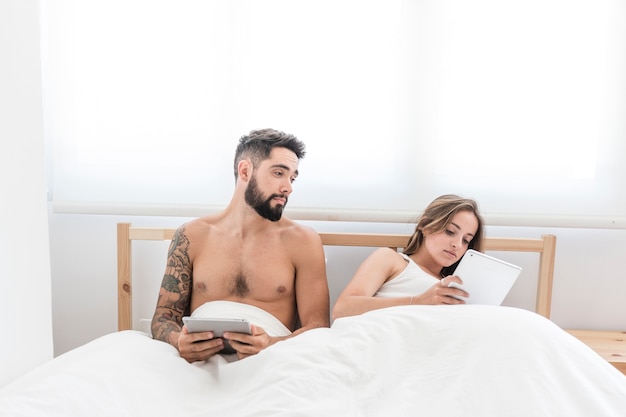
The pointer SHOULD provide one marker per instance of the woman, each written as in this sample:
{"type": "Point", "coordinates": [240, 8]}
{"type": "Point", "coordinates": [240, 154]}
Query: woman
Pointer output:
{"type": "Point", "coordinates": [449, 226]}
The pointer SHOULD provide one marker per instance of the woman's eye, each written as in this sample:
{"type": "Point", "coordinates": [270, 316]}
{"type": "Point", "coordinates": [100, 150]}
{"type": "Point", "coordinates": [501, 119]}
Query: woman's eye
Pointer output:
{"type": "Point", "coordinates": [449, 232]}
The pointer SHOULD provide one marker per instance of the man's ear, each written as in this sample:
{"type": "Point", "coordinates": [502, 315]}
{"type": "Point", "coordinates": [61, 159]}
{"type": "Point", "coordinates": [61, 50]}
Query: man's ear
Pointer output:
{"type": "Point", "coordinates": [244, 169]}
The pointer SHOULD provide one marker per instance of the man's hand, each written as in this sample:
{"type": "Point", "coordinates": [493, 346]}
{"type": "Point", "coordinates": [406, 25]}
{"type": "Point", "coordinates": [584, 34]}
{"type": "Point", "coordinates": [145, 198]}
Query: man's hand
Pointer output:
{"type": "Point", "coordinates": [198, 346]}
{"type": "Point", "coordinates": [249, 344]}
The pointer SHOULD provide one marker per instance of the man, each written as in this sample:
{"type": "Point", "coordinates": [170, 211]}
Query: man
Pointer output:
{"type": "Point", "coordinates": [247, 257]}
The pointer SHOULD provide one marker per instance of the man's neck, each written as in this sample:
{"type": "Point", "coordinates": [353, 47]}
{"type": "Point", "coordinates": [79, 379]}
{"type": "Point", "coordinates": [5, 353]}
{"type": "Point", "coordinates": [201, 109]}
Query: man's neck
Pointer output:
{"type": "Point", "coordinates": [238, 215]}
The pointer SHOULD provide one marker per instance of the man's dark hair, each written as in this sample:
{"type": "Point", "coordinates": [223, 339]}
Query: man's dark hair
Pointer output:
{"type": "Point", "coordinates": [258, 144]}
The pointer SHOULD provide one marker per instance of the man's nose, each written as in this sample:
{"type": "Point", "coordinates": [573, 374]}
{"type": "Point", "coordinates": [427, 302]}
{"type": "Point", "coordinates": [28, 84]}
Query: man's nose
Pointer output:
{"type": "Point", "coordinates": [286, 187]}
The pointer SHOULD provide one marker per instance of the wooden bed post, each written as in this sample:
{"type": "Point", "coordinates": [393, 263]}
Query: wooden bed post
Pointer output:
{"type": "Point", "coordinates": [546, 276]}
{"type": "Point", "coordinates": [124, 281]}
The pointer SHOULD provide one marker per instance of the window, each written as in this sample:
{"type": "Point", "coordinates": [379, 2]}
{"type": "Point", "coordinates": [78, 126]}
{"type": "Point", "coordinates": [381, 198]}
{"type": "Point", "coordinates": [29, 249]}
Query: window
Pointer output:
{"type": "Point", "coordinates": [513, 103]}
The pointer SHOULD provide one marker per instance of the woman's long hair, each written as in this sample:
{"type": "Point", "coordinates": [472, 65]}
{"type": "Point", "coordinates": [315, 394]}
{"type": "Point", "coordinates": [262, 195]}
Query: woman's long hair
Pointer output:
{"type": "Point", "coordinates": [436, 218]}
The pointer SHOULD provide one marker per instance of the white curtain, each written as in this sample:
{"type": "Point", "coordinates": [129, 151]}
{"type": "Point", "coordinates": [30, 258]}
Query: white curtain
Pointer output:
{"type": "Point", "coordinates": [24, 245]}
{"type": "Point", "coordinates": [518, 104]}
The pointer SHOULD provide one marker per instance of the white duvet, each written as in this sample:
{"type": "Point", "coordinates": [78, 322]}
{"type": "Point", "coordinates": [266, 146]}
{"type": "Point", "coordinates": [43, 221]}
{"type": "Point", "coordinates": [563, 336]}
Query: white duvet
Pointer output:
{"type": "Point", "coordinates": [403, 361]}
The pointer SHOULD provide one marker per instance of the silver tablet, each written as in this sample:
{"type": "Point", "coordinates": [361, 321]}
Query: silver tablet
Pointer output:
{"type": "Point", "coordinates": [487, 279]}
{"type": "Point", "coordinates": [218, 327]}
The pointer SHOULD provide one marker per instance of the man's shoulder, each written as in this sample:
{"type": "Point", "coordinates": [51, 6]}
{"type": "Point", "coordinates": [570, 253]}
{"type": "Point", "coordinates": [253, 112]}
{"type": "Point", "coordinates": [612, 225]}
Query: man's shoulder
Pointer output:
{"type": "Point", "coordinates": [197, 226]}
{"type": "Point", "coordinates": [299, 232]}
{"type": "Point", "coordinates": [289, 230]}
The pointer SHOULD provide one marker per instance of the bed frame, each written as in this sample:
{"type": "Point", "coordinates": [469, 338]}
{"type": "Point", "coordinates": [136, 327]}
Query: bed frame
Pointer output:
{"type": "Point", "coordinates": [609, 344]}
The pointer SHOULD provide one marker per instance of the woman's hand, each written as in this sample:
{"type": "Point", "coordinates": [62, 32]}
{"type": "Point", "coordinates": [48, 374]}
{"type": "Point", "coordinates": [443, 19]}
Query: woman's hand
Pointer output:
{"type": "Point", "coordinates": [442, 293]}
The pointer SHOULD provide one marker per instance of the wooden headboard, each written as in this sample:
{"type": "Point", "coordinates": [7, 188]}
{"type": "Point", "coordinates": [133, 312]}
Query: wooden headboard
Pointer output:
{"type": "Point", "coordinates": [544, 246]}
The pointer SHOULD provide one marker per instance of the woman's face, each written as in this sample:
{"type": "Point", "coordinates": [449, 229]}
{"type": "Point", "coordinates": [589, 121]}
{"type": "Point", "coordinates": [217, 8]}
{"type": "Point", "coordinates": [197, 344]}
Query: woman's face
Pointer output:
{"type": "Point", "coordinates": [448, 246]}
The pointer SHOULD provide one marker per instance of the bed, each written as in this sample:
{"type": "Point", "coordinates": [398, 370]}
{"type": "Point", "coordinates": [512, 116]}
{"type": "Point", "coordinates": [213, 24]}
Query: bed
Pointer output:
{"type": "Point", "coordinates": [411, 360]}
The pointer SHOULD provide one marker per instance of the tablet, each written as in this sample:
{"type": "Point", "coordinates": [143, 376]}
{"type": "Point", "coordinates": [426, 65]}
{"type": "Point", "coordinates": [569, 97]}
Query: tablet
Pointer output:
{"type": "Point", "coordinates": [487, 279]}
{"type": "Point", "coordinates": [218, 327]}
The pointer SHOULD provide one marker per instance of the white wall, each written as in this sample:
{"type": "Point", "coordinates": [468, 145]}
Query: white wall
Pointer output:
{"type": "Point", "coordinates": [589, 286]}
{"type": "Point", "coordinates": [24, 244]}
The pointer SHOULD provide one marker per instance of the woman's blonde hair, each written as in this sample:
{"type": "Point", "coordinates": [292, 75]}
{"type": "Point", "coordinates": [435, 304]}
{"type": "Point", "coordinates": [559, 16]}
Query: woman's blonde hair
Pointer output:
{"type": "Point", "coordinates": [436, 218]}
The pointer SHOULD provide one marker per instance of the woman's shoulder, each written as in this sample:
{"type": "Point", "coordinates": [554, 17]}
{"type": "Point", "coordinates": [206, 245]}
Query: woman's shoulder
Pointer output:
{"type": "Point", "coordinates": [388, 257]}
{"type": "Point", "coordinates": [388, 253]}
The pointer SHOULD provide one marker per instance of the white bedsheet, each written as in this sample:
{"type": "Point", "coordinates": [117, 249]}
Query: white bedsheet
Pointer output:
{"type": "Point", "coordinates": [402, 361]}
{"type": "Point", "coordinates": [228, 309]}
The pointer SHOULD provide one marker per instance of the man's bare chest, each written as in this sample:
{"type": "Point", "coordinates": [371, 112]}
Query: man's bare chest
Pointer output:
{"type": "Point", "coordinates": [262, 275]}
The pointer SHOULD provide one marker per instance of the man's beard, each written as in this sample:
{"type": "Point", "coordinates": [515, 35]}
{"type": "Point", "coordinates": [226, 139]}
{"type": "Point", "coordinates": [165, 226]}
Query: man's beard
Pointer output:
{"type": "Point", "coordinates": [263, 206]}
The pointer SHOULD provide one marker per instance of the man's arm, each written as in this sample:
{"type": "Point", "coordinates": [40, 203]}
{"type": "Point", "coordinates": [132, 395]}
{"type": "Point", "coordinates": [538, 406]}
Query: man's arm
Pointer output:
{"type": "Point", "coordinates": [175, 293]}
{"type": "Point", "coordinates": [312, 295]}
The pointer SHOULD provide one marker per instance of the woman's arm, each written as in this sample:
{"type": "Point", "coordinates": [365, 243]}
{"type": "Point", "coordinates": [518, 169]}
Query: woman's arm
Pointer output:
{"type": "Point", "coordinates": [358, 296]}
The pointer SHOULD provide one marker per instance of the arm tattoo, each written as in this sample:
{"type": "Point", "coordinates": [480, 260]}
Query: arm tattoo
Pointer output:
{"type": "Point", "coordinates": [175, 292]}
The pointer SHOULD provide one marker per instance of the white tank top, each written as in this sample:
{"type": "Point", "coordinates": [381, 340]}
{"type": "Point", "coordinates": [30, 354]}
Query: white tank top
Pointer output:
{"type": "Point", "coordinates": [411, 281]}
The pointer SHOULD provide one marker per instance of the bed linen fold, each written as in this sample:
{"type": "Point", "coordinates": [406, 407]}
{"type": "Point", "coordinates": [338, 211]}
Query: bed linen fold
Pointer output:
{"type": "Point", "coordinates": [412, 360]}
